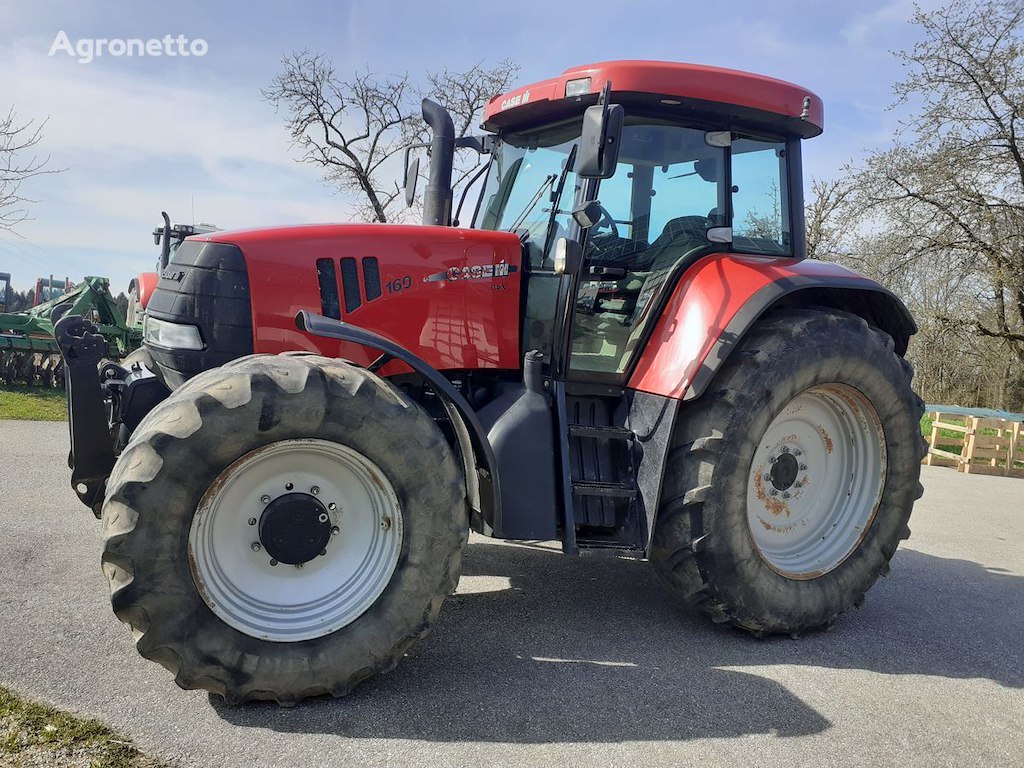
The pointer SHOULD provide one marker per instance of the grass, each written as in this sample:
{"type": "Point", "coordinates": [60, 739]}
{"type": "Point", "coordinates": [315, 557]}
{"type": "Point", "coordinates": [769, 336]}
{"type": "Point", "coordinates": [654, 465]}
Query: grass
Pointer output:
{"type": "Point", "coordinates": [33, 404]}
{"type": "Point", "coordinates": [34, 734]}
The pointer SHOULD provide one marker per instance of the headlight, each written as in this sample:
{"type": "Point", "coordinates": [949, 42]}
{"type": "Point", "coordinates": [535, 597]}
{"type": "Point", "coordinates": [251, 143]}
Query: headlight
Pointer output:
{"type": "Point", "coordinates": [171, 335]}
{"type": "Point", "coordinates": [577, 87]}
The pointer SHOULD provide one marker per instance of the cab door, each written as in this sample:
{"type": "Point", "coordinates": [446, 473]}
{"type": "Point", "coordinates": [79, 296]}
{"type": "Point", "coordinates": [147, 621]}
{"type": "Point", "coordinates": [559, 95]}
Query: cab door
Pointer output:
{"type": "Point", "coordinates": [666, 193]}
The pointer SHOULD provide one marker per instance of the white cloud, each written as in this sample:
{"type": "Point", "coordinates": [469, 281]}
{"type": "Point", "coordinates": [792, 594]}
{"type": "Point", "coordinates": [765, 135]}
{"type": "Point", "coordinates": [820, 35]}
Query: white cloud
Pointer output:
{"type": "Point", "coordinates": [135, 141]}
{"type": "Point", "coordinates": [886, 25]}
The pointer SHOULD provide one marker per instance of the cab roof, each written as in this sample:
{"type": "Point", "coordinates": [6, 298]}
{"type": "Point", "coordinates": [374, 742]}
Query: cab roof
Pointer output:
{"type": "Point", "coordinates": [725, 97]}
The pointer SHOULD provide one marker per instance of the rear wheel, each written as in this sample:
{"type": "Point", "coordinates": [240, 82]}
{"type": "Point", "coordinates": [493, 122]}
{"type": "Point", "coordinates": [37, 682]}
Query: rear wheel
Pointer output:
{"type": "Point", "coordinates": [282, 527]}
{"type": "Point", "coordinates": [791, 481]}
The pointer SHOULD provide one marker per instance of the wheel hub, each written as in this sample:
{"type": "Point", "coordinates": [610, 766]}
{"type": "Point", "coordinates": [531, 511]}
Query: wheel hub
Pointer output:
{"type": "Point", "coordinates": [784, 471]}
{"type": "Point", "coordinates": [295, 528]}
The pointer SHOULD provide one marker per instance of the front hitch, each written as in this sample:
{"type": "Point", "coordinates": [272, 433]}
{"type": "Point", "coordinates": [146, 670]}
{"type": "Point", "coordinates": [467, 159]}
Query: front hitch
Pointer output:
{"type": "Point", "coordinates": [92, 447]}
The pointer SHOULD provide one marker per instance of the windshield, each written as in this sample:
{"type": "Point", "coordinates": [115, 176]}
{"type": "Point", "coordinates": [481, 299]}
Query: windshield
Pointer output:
{"type": "Point", "coordinates": [527, 171]}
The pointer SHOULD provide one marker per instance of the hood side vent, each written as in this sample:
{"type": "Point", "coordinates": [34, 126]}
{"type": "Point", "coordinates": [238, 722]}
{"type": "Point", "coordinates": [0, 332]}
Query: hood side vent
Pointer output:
{"type": "Point", "coordinates": [330, 302]}
{"type": "Point", "coordinates": [350, 284]}
{"type": "Point", "coordinates": [371, 276]}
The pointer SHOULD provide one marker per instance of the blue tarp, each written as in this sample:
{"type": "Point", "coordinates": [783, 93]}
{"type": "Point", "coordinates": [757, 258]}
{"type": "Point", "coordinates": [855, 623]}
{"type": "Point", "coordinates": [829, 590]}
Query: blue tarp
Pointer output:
{"type": "Point", "coordinates": [981, 413]}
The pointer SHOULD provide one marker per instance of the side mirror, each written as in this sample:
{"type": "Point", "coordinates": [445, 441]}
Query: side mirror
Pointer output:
{"type": "Point", "coordinates": [599, 144]}
{"type": "Point", "coordinates": [412, 175]}
{"type": "Point", "coordinates": [568, 256]}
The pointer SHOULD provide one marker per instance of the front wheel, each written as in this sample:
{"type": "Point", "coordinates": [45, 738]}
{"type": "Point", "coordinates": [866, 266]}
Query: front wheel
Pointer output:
{"type": "Point", "coordinates": [790, 483]}
{"type": "Point", "coordinates": [282, 527]}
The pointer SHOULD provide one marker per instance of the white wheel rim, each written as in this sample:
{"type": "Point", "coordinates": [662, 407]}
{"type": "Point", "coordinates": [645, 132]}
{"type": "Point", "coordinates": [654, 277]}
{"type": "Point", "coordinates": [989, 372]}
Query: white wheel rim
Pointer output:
{"type": "Point", "coordinates": [283, 602]}
{"type": "Point", "coordinates": [816, 480]}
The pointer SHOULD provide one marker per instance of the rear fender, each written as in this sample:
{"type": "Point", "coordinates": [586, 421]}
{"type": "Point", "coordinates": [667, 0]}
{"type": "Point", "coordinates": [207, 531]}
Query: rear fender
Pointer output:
{"type": "Point", "coordinates": [720, 297]}
{"type": "Point", "coordinates": [478, 460]}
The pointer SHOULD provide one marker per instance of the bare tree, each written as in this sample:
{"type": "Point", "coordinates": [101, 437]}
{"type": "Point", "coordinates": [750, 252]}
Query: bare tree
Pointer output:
{"type": "Point", "coordinates": [355, 128]}
{"type": "Point", "coordinates": [828, 218]}
{"type": "Point", "coordinates": [464, 95]}
{"type": "Point", "coordinates": [18, 162]}
{"type": "Point", "coordinates": [950, 190]}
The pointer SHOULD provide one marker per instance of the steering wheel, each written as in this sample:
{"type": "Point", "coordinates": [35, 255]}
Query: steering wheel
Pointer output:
{"type": "Point", "coordinates": [606, 220]}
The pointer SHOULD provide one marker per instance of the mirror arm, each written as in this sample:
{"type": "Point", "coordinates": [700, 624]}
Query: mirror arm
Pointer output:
{"type": "Point", "coordinates": [482, 144]}
{"type": "Point", "coordinates": [408, 151]}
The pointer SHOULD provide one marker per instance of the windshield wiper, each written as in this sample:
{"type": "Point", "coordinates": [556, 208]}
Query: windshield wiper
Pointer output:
{"type": "Point", "coordinates": [548, 180]}
{"type": "Point", "coordinates": [556, 194]}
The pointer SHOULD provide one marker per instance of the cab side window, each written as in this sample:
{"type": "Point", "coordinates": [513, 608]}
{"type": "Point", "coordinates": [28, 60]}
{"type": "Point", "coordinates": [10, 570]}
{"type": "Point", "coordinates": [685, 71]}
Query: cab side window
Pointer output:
{"type": "Point", "coordinates": [760, 205]}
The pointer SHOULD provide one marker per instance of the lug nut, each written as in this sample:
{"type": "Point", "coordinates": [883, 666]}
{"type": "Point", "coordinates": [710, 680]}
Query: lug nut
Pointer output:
{"type": "Point", "coordinates": [773, 492]}
{"type": "Point", "coordinates": [299, 566]}
{"type": "Point", "coordinates": [332, 506]}
{"type": "Point", "coordinates": [288, 486]}
{"type": "Point", "coordinates": [335, 531]}
{"type": "Point", "coordinates": [785, 449]}
{"type": "Point", "coordinates": [767, 478]}
{"type": "Point", "coordinates": [315, 490]}
{"type": "Point", "coordinates": [323, 552]}
{"type": "Point", "coordinates": [255, 546]}
{"type": "Point", "coordinates": [803, 467]}
{"type": "Point", "coordinates": [273, 562]}
{"type": "Point", "coordinates": [252, 521]}
{"type": "Point", "coordinates": [386, 523]}
{"type": "Point", "coordinates": [798, 452]}
{"type": "Point", "coordinates": [772, 459]}
{"type": "Point", "coordinates": [785, 495]}
{"type": "Point", "coordinates": [264, 499]}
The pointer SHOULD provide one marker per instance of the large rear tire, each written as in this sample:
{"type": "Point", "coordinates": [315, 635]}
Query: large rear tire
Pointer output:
{"type": "Point", "coordinates": [282, 527]}
{"type": "Point", "coordinates": [791, 481]}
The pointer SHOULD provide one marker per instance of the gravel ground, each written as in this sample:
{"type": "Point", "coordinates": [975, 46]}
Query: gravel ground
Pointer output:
{"type": "Point", "coordinates": [541, 659]}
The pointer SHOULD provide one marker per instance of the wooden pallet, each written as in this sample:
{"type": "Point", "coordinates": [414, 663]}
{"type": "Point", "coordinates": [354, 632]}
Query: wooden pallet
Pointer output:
{"type": "Point", "coordinates": [987, 446]}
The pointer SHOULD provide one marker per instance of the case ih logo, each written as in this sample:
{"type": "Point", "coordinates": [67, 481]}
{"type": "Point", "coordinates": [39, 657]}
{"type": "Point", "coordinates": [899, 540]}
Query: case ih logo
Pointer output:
{"type": "Point", "coordinates": [515, 101]}
{"type": "Point", "coordinates": [475, 272]}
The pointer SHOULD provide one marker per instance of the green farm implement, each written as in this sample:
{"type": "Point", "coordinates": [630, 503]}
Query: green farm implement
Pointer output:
{"type": "Point", "coordinates": [28, 352]}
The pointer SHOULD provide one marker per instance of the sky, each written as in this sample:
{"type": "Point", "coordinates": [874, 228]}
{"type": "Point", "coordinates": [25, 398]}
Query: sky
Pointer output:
{"type": "Point", "coordinates": [193, 135]}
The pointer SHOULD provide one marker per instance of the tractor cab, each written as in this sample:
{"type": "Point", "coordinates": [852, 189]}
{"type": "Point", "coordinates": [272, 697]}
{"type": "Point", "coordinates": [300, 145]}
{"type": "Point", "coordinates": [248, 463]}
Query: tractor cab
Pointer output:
{"type": "Point", "coordinates": [692, 177]}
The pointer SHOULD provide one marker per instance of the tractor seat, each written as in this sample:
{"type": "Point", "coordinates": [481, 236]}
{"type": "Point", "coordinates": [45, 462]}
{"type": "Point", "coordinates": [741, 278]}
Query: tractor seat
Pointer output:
{"type": "Point", "coordinates": [682, 228]}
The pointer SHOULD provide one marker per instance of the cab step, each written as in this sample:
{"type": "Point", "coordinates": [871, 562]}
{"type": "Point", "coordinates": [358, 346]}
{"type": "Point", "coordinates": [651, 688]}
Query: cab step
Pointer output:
{"type": "Point", "coordinates": [600, 432]}
{"type": "Point", "coordinates": [614, 490]}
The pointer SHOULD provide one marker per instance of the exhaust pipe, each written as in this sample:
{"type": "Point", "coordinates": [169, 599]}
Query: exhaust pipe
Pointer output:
{"type": "Point", "coordinates": [437, 197]}
{"type": "Point", "coordinates": [165, 246]}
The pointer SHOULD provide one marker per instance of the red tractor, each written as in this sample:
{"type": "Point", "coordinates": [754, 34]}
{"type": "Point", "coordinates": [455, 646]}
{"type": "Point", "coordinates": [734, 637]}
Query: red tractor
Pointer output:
{"type": "Point", "coordinates": [627, 351]}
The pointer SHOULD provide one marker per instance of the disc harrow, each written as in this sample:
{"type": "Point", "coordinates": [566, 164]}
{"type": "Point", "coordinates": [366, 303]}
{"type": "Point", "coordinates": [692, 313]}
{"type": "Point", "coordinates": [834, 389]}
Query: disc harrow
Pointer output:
{"type": "Point", "coordinates": [29, 355]}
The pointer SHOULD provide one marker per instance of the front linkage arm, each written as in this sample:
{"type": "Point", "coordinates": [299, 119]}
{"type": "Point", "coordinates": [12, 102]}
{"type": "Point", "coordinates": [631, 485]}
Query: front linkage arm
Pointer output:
{"type": "Point", "coordinates": [92, 446]}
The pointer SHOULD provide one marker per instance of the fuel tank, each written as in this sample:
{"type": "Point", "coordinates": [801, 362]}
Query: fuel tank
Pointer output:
{"type": "Point", "coordinates": [449, 295]}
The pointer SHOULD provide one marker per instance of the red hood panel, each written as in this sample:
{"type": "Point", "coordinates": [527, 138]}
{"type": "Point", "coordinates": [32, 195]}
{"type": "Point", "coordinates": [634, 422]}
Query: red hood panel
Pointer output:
{"type": "Point", "coordinates": [450, 296]}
